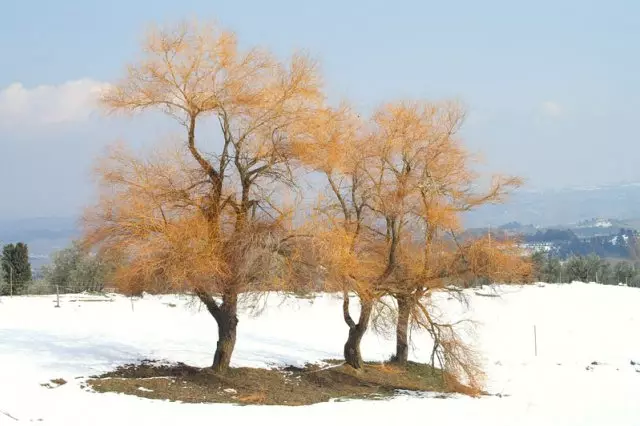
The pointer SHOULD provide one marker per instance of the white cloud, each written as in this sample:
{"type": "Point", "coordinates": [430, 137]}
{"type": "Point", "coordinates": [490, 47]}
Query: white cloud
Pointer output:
{"type": "Point", "coordinates": [552, 109]}
{"type": "Point", "coordinates": [67, 102]}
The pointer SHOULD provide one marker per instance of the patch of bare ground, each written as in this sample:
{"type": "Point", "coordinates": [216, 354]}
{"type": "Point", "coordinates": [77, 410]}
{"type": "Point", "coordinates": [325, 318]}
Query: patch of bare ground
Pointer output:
{"type": "Point", "coordinates": [284, 386]}
{"type": "Point", "coordinates": [54, 383]}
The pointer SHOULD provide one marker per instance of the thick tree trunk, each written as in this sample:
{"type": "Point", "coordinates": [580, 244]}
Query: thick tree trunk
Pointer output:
{"type": "Point", "coordinates": [227, 325]}
{"type": "Point", "coordinates": [226, 317]}
{"type": "Point", "coordinates": [402, 327]}
{"type": "Point", "coordinates": [352, 355]}
{"type": "Point", "coordinates": [227, 320]}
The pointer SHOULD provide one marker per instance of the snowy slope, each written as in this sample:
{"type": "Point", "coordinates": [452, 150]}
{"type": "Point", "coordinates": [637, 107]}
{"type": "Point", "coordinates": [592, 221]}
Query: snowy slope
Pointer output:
{"type": "Point", "coordinates": [576, 325]}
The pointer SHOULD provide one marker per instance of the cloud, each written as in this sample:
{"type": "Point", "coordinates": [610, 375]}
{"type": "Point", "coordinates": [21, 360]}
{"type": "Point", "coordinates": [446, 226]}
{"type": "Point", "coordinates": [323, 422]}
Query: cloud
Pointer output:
{"type": "Point", "coordinates": [68, 102]}
{"type": "Point", "coordinates": [552, 109]}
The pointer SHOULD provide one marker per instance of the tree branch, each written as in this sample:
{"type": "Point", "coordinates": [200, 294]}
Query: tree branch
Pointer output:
{"type": "Point", "coordinates": [209, 303]}
{"type": "Point", "coordinates": [345, 310]}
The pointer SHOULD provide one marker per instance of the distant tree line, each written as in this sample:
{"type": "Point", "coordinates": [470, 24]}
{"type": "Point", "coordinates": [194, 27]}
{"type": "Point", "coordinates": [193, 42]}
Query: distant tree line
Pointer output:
{"type": "Point", "coordinates": [589, 268]}
{"type": "Point", "coordinates": [72, 270]}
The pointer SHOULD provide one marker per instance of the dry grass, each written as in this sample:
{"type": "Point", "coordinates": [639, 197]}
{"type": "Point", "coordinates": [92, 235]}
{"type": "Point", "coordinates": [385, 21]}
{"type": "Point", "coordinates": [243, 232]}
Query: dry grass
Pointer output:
{"type": "Point", "coordinates": [252, 386]}
{"type": "Point", "coordinates": [54, 383]}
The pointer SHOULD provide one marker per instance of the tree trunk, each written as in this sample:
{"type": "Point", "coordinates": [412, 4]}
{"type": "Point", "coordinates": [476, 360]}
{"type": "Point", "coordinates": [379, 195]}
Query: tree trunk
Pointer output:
{"type": "Point", "coordinates": [226, 317]}
{"type": "Point", "coordinates": [402, 327]}
{"type": "Point", "coordinates": [352, 355]}
{"type": "Point", "coordinates": [227, 320]}
{"type": "Point", "coordinates": [226, 343]}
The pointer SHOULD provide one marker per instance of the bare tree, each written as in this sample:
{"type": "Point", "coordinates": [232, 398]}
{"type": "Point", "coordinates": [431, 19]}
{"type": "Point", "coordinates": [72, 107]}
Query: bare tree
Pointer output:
{"type": "Point", "coordinates": [396, 188]}
{"type": "Point", "coordinates": [212, 217]}
{"type": "Point", "coordinates": [336, 145]}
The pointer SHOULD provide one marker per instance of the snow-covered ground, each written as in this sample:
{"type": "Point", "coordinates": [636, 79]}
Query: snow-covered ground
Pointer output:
{"type": "Point", "coordinates": [576, 325]}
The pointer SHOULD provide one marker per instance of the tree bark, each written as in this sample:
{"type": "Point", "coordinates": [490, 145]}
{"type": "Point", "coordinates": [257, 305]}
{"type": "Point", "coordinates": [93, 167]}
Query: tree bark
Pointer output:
{"type": "Point", "coordinates": [352, 354]}
{"type": "Point", "coordinates": [402, 327]}
{"type": "Point", "coordinates": [227, 326]}
{"type": "Point", "coordinates": [226, 317]}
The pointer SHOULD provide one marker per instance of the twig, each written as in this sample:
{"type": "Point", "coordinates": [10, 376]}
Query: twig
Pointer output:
{"type": "Point", "coordinates": [325, 368]}
{"type": "Point", "coordinates": [9, 415]}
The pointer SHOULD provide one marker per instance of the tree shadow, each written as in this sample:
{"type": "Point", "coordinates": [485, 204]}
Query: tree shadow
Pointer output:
{"type": "Point", "coordinates": [67, 352]}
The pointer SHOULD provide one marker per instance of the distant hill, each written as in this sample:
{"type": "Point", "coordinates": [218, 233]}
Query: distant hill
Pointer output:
{"type": "Point", "coordinates": [525, 213]}
{"type": "Point", "coordinates": [566, 206]}
{"type": "Point", "coordinates": [43, 235]}
{"type": "Point", "coordinates": [609, 238]}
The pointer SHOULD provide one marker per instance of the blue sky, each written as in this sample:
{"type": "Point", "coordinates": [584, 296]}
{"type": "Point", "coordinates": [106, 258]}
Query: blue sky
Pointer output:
{"type": "Point", "coordinates": [552, 87]}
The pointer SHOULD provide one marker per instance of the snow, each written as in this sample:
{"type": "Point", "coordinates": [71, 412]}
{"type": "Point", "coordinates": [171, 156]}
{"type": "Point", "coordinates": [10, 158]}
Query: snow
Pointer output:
{"type": "Point", "coordinates": [599, 223]}
{"type": "Point", "coordinates": [614, 240]}
{"type": "Point", "coordinates": [531, 248]}
{"type": "Point", "coordinates": [576, 325]}
{"type": "Point", "coordinates": [603, 224]}
{"type": "Point", "coordinates": [596, 223]}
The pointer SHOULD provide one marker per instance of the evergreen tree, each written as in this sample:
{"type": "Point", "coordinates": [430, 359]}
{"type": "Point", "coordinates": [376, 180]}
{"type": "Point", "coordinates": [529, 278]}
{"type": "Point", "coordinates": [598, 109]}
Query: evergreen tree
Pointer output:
{"type": "Point", "coordinates": [16, 268]}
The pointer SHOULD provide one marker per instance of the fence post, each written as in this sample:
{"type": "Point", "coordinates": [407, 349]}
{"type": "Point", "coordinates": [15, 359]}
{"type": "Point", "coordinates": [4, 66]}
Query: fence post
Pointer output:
{"type": "Point", "coordinates": [57, 296]}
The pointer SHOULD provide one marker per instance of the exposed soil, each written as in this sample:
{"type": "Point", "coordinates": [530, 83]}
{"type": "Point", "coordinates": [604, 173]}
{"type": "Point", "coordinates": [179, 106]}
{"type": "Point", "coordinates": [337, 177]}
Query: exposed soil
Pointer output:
{"type": "Point", "coordinates": [285, 386]}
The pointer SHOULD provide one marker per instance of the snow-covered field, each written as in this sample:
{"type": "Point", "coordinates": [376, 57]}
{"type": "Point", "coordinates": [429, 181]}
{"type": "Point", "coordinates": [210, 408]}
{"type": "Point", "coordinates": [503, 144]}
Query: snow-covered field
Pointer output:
{"type": "Point", "coordinates": [576, 325]}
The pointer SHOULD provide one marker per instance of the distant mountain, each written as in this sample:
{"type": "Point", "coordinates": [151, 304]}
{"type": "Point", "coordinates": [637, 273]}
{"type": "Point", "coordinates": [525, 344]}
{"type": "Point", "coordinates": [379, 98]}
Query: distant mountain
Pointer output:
{"type": "Point", "coordinates": [43, 235]}
{"type": "Point", "coordinates": [609, 238]}
{"type": "Point", "coordinates": [563, 244]}
{"type": "Point", "coordinates": [566, 206]}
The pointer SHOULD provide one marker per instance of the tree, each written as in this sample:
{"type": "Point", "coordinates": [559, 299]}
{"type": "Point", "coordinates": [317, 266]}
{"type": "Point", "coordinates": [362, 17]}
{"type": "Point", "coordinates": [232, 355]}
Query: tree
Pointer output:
{"type": "Point", "coordinates": [396, 185]}
{"type": "Point", "coordinates": [210, 219]}
{"type": "Point", "coordinates": [576, 269]}
{"type": "Point", "coordinates": [423, 184]}
{"type": "Point", "coordinates": [594, 266]}
{"type": "Point", "coordinates": [16, 267]}
{"type": "Point", "coordinates": [604, 273]}
{"type": "Point", "coordinates": [548, 268]}
{"type": "Point", "coordinates": [63, 262]}
{"type": "Point", "coordinates": [538, 260]}
{"type": "Point", "coordinates": [554, 270]}
{"type": "Point", "coordinates": [337, 146]}
{"type": "Point", "coordinates": [4, 284]}
{"type": "Point", "coordinates": [584, 268]}
{"type": "Point", "coordinates": [73, 270]}
{"type": "Point", "coordinates": [623, 273]}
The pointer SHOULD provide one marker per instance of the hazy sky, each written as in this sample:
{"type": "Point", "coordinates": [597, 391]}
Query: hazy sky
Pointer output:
{"type": "Point", "coordinates": [552, 87]}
